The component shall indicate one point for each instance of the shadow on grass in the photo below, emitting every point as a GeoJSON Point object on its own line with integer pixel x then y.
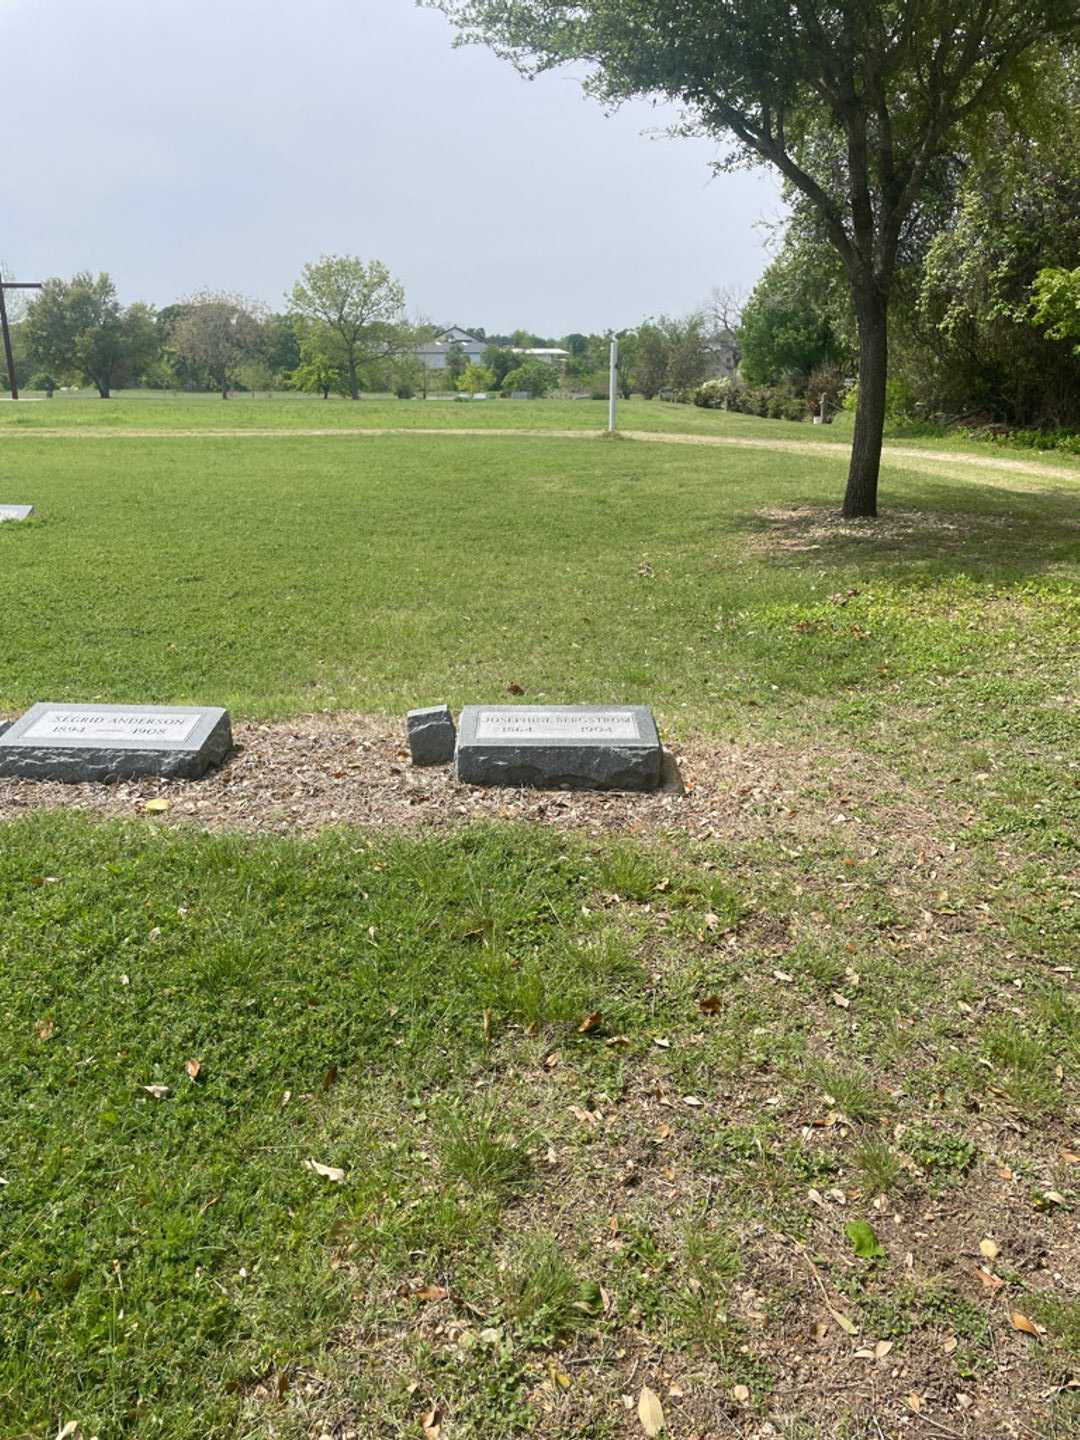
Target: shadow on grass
{"type": "Point", "coordinates": [1000, 533]}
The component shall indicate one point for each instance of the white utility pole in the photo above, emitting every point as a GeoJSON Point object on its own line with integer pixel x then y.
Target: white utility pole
{"type": "Point", "coordinates": [613, 385]}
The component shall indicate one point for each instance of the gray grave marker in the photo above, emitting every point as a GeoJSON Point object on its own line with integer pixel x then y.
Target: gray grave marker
{"type": "Point", "coordinates": [15, 512]}
{"type": "Point", "coordinates": [576, 747]}
{"type": "Point", "coordinates": [431, 735]}
{"type": "Point", "coordinates": [115, 742]}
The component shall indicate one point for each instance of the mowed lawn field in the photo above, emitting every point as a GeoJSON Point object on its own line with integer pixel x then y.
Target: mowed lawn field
{"type": "Point", "coordinates": [756, 1104]}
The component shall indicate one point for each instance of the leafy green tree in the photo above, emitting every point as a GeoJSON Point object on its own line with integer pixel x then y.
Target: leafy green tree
{"type": "Point", "coordinates": [475, 378]}
{"type": "Point", "coordinates": [281, 344]}
{"type": "Point", "coordinates": [967, 344]}
{"type": "Point", "coordinates": [316, 373]}
{"type": "Point", "coordinates": [628, 349]}
{"type": "Point", "coordinates": [456, 362]}
{"type": "Point", "coordinates": [784, 330]}
{"type": "Point", "coordinates": [688, 356]}
{"type": "Point", "coordinates": [219, 332]}
{"type": "Point", "coordinates": [359, 307]}
{"type": "Point", "coordinates": [857, 103]}
{"type": "Point", "coordinates": [1056, 303]}
{"type": "Point", "coordinates": [500, 360]}
{"type": "Point", "coordinates": [650, 360]}
{"type": "Point", "coordinates": [78, 329]}
{"type": "Point", "coordinates": [534, 376]}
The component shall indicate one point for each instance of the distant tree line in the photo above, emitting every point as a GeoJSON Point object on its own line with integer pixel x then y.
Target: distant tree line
{"type": "Point", "coordinates": [343, 331]}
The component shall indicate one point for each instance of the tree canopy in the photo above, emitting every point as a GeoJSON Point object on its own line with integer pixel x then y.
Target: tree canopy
{"type": "Point", "coordinates": [854, 102]}
{"type": "Point", "coordinates": [356, 308]}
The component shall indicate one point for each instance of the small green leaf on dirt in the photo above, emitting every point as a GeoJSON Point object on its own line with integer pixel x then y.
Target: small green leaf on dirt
{"type": "Point", "coordinates": [864, 1239]}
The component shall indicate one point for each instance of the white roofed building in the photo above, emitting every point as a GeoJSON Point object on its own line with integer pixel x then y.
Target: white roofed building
{"type": "Point", "coordinates": [433, 353]}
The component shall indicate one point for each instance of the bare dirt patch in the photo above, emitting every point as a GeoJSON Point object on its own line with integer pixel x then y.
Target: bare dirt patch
{"type": "Point", "coordinates": [799, 528]}
{"type": "Point", "coordinates": [315, 771]}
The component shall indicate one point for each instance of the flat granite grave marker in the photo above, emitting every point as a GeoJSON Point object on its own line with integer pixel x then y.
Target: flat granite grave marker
{"type": "Point", "coordinates": [573, 747]}
{"type": "Point", "coordinates": [15, 512]}
{"type": "Point", "coordinates": [115, 742]}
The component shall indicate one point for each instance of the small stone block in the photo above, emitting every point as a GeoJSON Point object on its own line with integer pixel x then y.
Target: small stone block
{"type": "Point", "coordinates": [560, 747]}
{"type": "Point", "coordinates": [431, 735]}
{"type": "Point", "coordinates": [114, 742]}
{"type": "Point", "coordinates": [15, 512]}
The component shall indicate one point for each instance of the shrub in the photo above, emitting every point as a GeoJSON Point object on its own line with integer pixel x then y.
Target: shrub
{"type": "Point", "coordinates": [533, 376]}
{"type": "Point", "coordinates": [825, 391]}
{"type": "Point", "coordinates": [773, 401]}
{"type": "Point", "coordinates": [713, 394]}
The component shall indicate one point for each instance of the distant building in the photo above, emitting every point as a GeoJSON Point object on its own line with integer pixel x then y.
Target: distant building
{"type": "Point", "coordinates": [433, 353]}
{"type": "Point", "coordinates": [548, 356]}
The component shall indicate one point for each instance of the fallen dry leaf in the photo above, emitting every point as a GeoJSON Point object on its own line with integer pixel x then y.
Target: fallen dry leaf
{"type": "Point", "coordinates": [45, 1029]}
{"type": "Point", "coordinates": [950, 1345]}
{"type": "Point", "coordinates": [1071, 1157]}
{"type": "Point", "coordinates": [157, 807]}
{"type": "Point", "coordinates": [848, 1326]}
{"type": "Point", "coordinates": [650, 1411]}
{"type": "Point", "coordinates": [692, 1101]}
{"type": "Point", "coordinates": [429, 1423]}
{"type": "Point", "coordinates": [992, 1282]}
{"type": "Point", "coordinates": [589, 1023]}
{"type": "Point", "coordinates": [882, 1348]}
{"type": "Point", "coordinates": [193, 1068]}
{"type": "Point", "coordinates": [711, 1005]}
{"type": "Point", "coordinates": [328, 1172]}
{"type": "Point", "coordinates": [783, 977]}
{"type": "Point", "coordinates": [1054, 1196]}
{"type": "Point", "coordinates": [740, 1393]}
{"type": "Point", "coordinates": [430, 1292]}
{"type": "Point", "coordinates": [158, 1091]}
{"type": "Point", "coordinates": [1021, 1322]}
{"type": "Point", "coordinates": [988, 1249]}
{"type": "Point", "coordinates": [841, 1000]}
{"type": "Point", "coordinates": [515, 689]}
{"type": "Point", "coordinates": [914, 1402]}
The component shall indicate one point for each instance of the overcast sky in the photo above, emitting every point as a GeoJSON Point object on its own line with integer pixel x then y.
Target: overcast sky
{"type": "Point", "coordinates": [222, 143]}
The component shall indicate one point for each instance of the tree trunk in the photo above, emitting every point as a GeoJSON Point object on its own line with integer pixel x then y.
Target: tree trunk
{"type": "Point", "coordinates": [224, 389]}
{"type": "Point", "coordinates": [860, 498]}
{"type": "Point", "coordinates": [354, 388]}
{"type": "Point", "coordinates": [103, 390]}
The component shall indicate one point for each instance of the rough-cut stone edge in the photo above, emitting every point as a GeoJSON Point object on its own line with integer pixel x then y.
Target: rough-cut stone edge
{"type": "Point", "coordinates": [99, 762]}
{"type": "Point", "coordinates": [431, 735]}
{"type": "Point", "coordinates": [561, 764]}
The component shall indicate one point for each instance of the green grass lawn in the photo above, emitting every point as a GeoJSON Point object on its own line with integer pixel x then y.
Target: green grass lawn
{"type": "Point", "coordinates": [133, 411]}
{"type": "Point", "coordinates": [598, 1110]}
